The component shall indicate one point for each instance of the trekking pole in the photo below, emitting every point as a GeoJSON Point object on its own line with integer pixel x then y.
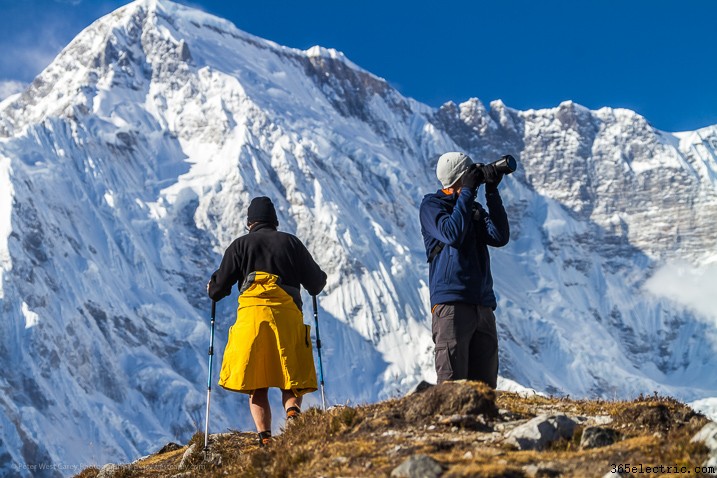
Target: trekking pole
{"type": "Point", "coordinates": [209, 380]}
{"type": "Point", "coordinates": [318, 347]}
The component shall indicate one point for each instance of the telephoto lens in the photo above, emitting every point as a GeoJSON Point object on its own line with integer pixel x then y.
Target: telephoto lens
{"type": "Point", "coordinates": [505, 165]}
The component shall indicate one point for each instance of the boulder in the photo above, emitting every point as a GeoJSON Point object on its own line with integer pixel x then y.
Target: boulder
{"type": "Point", "coordinates": [187, 457]}
{"type": "Point", "coordinates": [110, 470]}
{"type": "Point", "coordinates": [541, 431]}
{"type": "Point", "coordinates": [596, 437]}
{"type": "Point", "coordinates": [418, 466]}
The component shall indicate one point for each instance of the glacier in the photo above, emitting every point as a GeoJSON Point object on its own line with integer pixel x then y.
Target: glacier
{"type": "Point", "coordinates": [126, 168]}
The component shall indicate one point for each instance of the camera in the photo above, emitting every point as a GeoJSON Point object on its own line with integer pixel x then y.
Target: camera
{"type": "Point", "coordinates": [505, 165]}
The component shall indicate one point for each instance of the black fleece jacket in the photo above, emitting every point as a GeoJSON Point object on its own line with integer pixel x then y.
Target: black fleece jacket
{"type": "Point", "coordinates": [267, 250]}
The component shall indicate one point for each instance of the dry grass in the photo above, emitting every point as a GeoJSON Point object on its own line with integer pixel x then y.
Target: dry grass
{"type": "Point", "coordinates": [89, 472]}
{"type": "Point", "coordinates": [372, 440]}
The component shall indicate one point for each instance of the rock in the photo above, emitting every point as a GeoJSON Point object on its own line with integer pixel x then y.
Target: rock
{"type": "Point", "coordinates": [612, 474]}
{"type": "Point", "coordinates": [708, 437]}
{"type": "Point", "coordinates": [508, 416]}
{"type": "Point", "coordinates": [110, 470]}
{"type": "Point", "coordinates": [171, 446]}
{"type": "Point", "coordinates": [187, 457]}
{"type": "Point", "coordinates": [531, 470]}
{"type": "Point", "coordinates": [420, 387]}
{"type": "Point", "coordinates": [213, 458]}
{"type": "Point", "coordinates": [418, 466]}
{"type": "Point", "coordinates": [601, 419]}
{"type": "Point", "coordinates": [540, 471]}
{"type": "Point", "coordinates": [541, 431]}
{"type": "Point", "coordinates": [596, 437]}
{"type": "Point", "coordinates": [473, 422]}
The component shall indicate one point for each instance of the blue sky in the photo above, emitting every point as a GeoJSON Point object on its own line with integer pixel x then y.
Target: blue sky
{"type": "Point", "coordinates": [657, 57]}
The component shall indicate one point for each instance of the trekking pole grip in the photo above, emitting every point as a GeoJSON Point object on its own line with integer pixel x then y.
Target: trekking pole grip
{"type": "Point", "coordinates": [211, 340]}
{"type": "Point", "coordinates": [316, 320]}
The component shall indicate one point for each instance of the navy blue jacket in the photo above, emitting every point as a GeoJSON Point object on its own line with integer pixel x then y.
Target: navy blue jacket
{"type": "Point", "coordinates": [461, 271]}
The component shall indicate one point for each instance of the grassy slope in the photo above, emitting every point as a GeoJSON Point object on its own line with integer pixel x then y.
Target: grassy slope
{"type": "Point", "coordinates": [461, 425]}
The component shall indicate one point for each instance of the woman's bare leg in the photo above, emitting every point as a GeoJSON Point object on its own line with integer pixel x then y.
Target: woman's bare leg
{"type": "Point", "coordinates": [290, 400]}
{"type": "Point", "coordinates": [260, 409]}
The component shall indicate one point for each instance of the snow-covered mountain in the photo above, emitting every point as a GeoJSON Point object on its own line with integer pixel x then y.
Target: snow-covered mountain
{"type": "Point", "coordinates": [127, 166]}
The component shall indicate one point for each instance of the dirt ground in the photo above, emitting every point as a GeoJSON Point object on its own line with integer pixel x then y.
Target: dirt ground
{"type": "Point", "coordinates": [462, 426]}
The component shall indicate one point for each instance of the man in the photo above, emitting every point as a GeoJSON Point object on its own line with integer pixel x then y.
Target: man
{"type": "Point", "coordinates": [269, 345]}
{"type": "Point", "coordinates": [456, 232]}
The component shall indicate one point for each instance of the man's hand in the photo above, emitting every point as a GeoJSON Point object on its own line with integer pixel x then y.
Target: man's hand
{"type": "Point", "coordinates": [492, 180]}
{"type": "Point", "coordinates": [472, 178]}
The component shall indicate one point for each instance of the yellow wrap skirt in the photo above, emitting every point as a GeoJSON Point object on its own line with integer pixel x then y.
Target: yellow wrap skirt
{"type": "Point", "coordinates": [269, 345]}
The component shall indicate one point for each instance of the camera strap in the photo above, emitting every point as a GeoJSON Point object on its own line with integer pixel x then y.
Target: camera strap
{"type": "Point", "coordinates": [439, 247]}
{"type": "Point", "coordinates": [435, 251]}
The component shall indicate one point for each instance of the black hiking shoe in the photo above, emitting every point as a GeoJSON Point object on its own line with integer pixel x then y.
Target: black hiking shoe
{"type": "Point", "coordinates": [264, 438]}
{"type": "Point", "coordinates": [292, 413]}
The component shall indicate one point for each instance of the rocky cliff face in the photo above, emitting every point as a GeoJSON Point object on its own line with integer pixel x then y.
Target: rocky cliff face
{"type": "Point", "coordinates": [126, 168]}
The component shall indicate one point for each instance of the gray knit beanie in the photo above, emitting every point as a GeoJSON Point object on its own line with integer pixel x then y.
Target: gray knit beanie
{"type": "Point", "coordinates": [451, 167]}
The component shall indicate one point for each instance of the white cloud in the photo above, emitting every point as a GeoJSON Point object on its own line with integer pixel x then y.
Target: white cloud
{"type": "Point", "coordinates": [10, 87]}
{"type": "Point", "coordinates": [693, 286]}
{"type": "Point", "coordinates": [29, 47]}
{"type": "Point", "coordinates": [27, 59]}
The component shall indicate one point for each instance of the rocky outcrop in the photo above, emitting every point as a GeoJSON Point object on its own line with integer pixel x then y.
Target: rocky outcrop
{"type": "Point", "coordinates": [389, 439]}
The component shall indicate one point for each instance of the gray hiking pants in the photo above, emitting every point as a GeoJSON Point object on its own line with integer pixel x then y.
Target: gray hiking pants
{"type": "Point", "coordinates": [466, 343]}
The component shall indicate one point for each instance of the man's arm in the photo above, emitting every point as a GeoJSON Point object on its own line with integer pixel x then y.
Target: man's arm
{"type": "Point", "coordinates": [228, 274]}
{"type": "Point", "coordinates": [447, 228]}
{"type": "Point", "coordinates": [492, 227]}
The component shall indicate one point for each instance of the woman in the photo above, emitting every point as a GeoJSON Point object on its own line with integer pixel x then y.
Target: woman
{"type": "Point", "coordinates": [269, 345]}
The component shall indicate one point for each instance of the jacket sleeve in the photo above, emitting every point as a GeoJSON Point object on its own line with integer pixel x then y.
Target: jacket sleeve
{"type": "Point", "coordinates": [492, 227]}
{"type": "Point", "coordinates": [311, 277]}
{"type": "Point", "coordinates": [450, 228]}
{"type": "Point", "coordinates": [228, 274]}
